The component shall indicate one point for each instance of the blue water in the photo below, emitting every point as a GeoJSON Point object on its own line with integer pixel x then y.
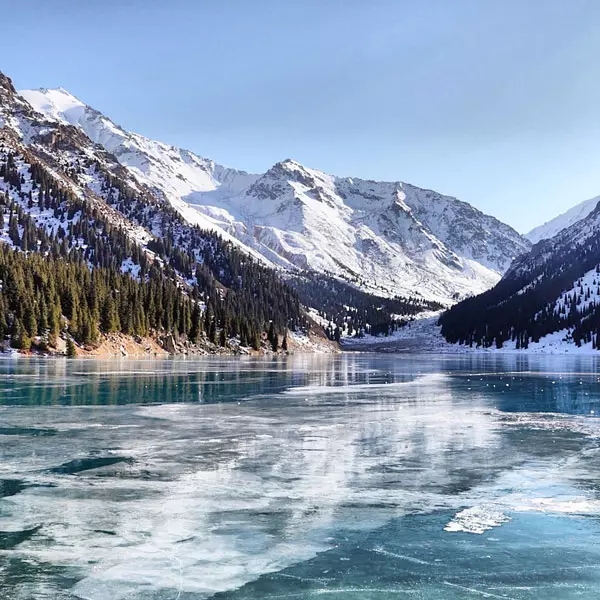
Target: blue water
{"type": "Point", "coordinates": [353, 476]}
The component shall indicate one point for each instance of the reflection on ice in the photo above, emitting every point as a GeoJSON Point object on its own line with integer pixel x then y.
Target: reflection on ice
{"type": "Point", "coordinates": [162, 500]}
{"type": "Point", "coordinates": [279, 480]}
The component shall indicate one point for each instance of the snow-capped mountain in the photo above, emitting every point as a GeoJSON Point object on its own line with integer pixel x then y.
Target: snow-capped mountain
{"type": "Point", "coordinates": [566, 219]}
{"type": "Point", "coordinates": [172, 172]}
{"type": "Point", "coordinates": [387, 238]}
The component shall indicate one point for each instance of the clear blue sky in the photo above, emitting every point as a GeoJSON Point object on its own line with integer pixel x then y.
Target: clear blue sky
{"type": "Point", "coordinates": [494, 101]}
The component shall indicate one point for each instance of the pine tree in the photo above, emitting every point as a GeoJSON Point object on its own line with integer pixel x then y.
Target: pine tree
{"type": "Point", "coordinates": [212, 331]}
{"type": "Point", "coordinates": [109, 317]}
{"type": "Point", "coordinates": [71, 349]}
{"type": "Point", "coordinates": [256, 341]}
{"type": "Point", "coordinates": [273, 338]}
{"type": "Point", "coordinates": [195, 325]}
{"type": "Point", "coordinates": [19, 339]}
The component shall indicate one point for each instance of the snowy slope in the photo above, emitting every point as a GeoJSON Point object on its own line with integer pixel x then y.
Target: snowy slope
{"type": "Point", "coordinates": [25, 133]}
{"type": "Point", "coordinates": [587, 291]}
{"type": "Point", "coordinates": [388, 238]}
{"type": "Point", "coordinates": [565, 249]}
{"type": "Point", "coordinates": [64, 196]}
{"type": "Point", "coordinates": [173, 172]}
{"type": "Point", "coordinates": [87, 168]}
{"type": "Point", "coordinates": [554, 226]}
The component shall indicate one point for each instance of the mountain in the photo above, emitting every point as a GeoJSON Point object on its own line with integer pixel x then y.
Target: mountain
{"type": "Point", "coordinates": [386, 239]}
{"type": "Point", "coordinates": [171, 173]}
{"type": "Point", "coordinates": [550, 297]}
{"type": "Point", "coordinates": [568, 218]}
{"type": "Point", "coordinates": [89, 249]}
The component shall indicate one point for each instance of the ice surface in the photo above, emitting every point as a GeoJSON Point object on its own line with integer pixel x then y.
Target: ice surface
{"type": "Point", "coordinates": [282, 464]}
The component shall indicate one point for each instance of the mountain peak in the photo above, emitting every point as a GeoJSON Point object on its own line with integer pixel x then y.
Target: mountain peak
{"type": "Point", "coordinates": [6, 82]}
{"type": "Point", "coordinates": [45, 90]}
{"type": "Point", "coordinates": [56, 103]}
{"type": "Point", "coordinates": [291, 168]}
{"type": "Point", "coordinates": [288, 165]}
{"type": "Point", "coordinates": [290, 162]}
{"type": "Point", "coordinates": [563, 221]}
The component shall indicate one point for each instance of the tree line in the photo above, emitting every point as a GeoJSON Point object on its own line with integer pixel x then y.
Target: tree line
{"type": "Point", "coordinates": [186, 281]}
{"type": "Point", "coordinates": [353, 312]}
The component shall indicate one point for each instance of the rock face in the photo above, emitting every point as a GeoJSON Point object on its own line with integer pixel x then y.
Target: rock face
{"type": "Point", "coordinates": [387, 238]}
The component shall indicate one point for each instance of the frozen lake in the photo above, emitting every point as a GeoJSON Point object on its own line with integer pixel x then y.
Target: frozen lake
{"type": "Point", "coordinates": [351, 477]}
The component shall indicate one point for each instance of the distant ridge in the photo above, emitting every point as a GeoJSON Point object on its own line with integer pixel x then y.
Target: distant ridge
{"type": "Point", "coordinates": [566, 219]}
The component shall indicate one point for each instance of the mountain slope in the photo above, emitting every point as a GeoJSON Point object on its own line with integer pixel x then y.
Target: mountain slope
{"type": "Point", "coordinates": [65, 197]}
{"type": "Point", "coordinates": [554, 290]}
{"type": "Point", "coordinates": [566, 219]}
{"type": "Point", "coordinates": [170, 172]}
{"type": "Point", "coordinates": [386, 238]}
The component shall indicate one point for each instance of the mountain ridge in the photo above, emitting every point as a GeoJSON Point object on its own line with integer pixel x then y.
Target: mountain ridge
{"type": "Point", "coordinates": [554, 226]}
{"type": "Point", "coordinates": [550, 297]}
{"type": "Point", "coordinates": [386, 238]}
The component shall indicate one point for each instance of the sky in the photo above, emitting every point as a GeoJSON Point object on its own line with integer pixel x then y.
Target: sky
{"type": "Point", "coordinates": [496, 102]}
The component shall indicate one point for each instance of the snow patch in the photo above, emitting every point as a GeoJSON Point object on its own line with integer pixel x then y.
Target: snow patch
{"type": "Point", "coordinates": [477, 519]}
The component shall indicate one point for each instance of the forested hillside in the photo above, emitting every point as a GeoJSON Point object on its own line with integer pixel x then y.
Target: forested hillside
{"type": "Point", "coordinates": [348, 311]}
{"type": "Point", "coordinates": [554, 288]}
{"type": "Point", "coordinates": [85, 247]}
